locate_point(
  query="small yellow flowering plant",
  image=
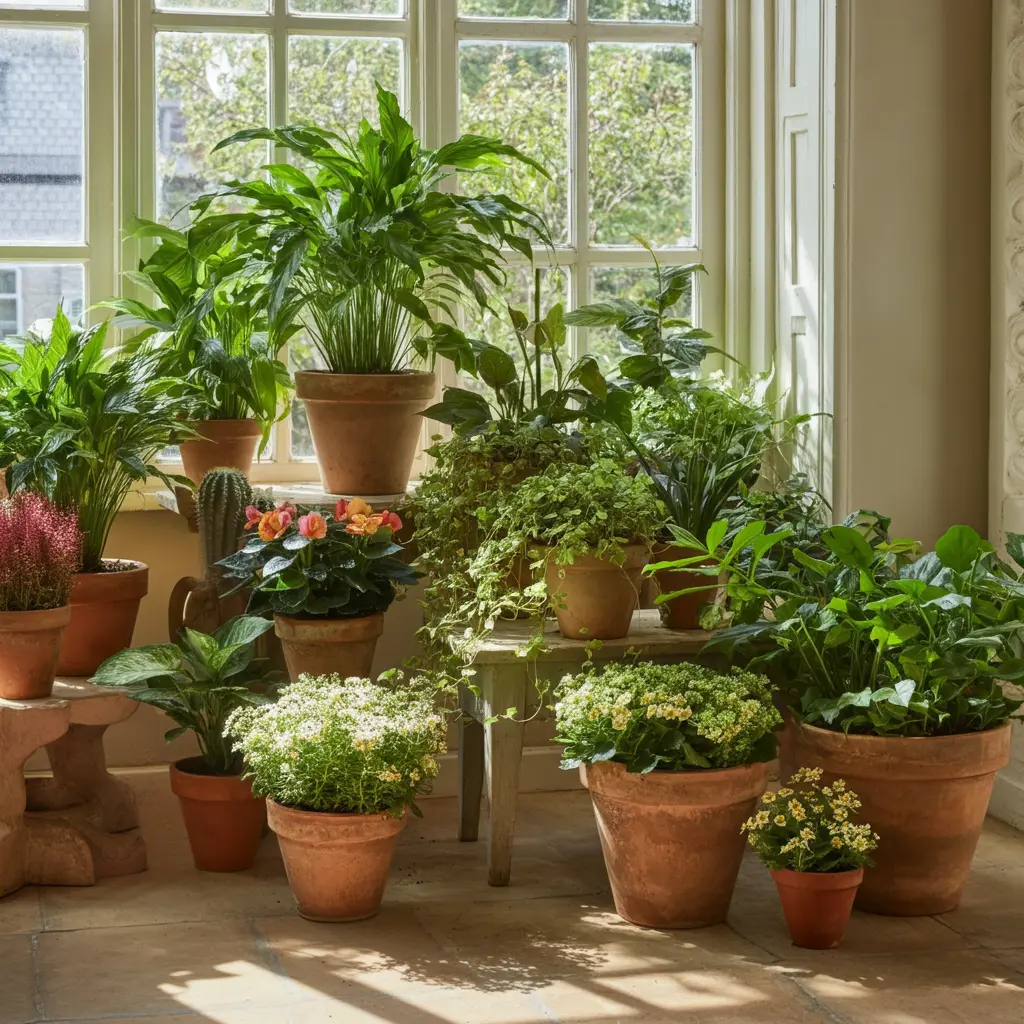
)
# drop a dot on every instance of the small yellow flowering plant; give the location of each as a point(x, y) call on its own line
point(670, 717)
point(806, 826)
point(343, 746)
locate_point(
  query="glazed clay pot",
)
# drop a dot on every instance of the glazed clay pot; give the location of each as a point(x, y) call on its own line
point(104, 607)
point(599, 596)
point(817, 905)
point(926, 797)
point(681, 612)
point(337, 864)
point(671, 840)
point(226, 443)
point(322, 647)
point(223, 819)
point(29, 647)
point(365, 427)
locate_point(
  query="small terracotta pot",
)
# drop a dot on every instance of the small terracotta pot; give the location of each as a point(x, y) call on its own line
point(381, 406)
point(321, 647)
point(600, 597)
point(337, 864)
point(671, 840)
point(104, 607)
point(223, 819)
point(926, 797)
point(29, 647)
point(681, 612)
point(817, 906)
point(229, 443)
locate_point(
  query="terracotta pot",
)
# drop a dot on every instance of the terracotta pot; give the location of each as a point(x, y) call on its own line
point(104, 607)
point(600, 597)
point(926, 797)
point(321, 647)
point(29, 647)
point(223, 819)
point(230, 443)
point(365, 427)
point(337, 864)
point(671, 840)
point(817, 906)
point(681, 612)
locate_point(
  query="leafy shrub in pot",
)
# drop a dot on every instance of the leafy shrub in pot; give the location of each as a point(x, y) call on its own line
point(675, 757)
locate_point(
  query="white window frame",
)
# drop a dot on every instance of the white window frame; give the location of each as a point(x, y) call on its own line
point(16, 295)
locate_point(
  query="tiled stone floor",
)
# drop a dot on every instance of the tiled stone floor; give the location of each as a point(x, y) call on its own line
point(175, 945)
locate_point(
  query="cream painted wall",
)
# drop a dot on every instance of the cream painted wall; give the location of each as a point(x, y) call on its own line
point(912, 259)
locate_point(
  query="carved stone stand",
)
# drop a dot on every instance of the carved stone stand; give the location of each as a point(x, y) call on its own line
point(81, 824)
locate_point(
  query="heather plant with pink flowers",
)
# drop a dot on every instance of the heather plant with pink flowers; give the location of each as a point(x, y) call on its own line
point(40, 552)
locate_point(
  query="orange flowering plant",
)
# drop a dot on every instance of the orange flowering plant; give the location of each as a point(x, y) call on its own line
point(317, 564)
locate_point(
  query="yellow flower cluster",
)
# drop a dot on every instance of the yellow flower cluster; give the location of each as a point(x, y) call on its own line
point(390, 774)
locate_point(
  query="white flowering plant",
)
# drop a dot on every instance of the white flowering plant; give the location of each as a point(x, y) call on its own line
point(343, 746)
point(806, 826)
point(669, 717)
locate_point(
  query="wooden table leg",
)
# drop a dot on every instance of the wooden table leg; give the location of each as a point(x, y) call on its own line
point(503, 687)
point(471, 770)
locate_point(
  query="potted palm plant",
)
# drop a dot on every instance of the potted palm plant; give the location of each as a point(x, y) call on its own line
point(82, 425)
point(340, 761)
point(675, 757)
point(198, 682)
point(326, 578)
point(210, 328)
point(360, 253)
point(40, 548)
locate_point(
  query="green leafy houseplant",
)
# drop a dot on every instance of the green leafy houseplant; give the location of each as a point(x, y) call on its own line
point(82, 425)
point(198, 683)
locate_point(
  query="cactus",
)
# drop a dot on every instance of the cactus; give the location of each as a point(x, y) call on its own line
point(223, 497)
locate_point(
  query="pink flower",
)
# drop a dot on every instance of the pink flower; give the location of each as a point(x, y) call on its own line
point(313, 526)
point(252, 516)
point(285, 506)
point(391, 519)
point(341, 510)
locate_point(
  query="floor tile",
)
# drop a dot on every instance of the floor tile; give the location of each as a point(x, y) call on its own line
point(20, 912)
point(17, 980)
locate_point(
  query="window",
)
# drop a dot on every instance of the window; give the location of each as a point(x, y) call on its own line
point(10, 301)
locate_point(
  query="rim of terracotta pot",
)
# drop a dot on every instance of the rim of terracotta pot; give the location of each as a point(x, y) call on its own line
point(311, 826)
point(957, 756)
point(222, 430)
point(36, 620)
point(326, 631)
point(637, 555)
point(123, 585)
point(399, 388)
point(192, 784)
point(818, 881)
point(695, 786)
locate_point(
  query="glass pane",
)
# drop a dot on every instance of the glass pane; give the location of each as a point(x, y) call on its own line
point(249, 6)
point(641, 143)
point(389, 8)
point(42, 128)
point(641, 10)
point(518, 92)
point(302, 356)
point(331, 80)
point(607, 343)
point(514, 8)
point(32, 291)
point(46, 5)
point(208, 86)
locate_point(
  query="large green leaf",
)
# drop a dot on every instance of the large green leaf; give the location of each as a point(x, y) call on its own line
point(139, 664)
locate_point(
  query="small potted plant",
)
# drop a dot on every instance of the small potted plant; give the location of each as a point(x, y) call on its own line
point(198, 682)
point(327, 579)
point(805, 834)
point(40, 548)
point(594, 525)
point(675, 757)
point(339, 761)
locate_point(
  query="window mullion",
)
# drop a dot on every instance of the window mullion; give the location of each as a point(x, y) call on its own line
point(579, 189)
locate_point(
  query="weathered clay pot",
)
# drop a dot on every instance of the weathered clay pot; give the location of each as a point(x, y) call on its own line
point(671, 840)
point(365, 427)
point(926, 797)
point(320, 647)
point(223, 819)
point(817, 906)
point(227, 443)
point(600, 597)
point(337, 864)
point(681, 612)
point(29, 647)
point(104, 607)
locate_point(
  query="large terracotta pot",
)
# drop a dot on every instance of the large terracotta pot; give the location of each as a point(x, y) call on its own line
point(365, 427)
point(926, 797)
point(671, 840)
point(322, 647)
point(681, 612)
point(223, 819)
point(227, 443)
point(600, 596)
point(104, 607)
point(29, 647)
point(817, 906)
point(337, 864)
